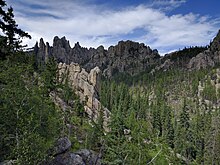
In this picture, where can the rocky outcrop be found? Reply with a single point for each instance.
(87, 87)
(215, 45)
(128, 56)
(62, 145)
(42, 52)
(168, 64)
(201, 61)
(125, 57)
(208, 58)
(63, 156)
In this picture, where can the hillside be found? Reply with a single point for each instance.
(125, 105)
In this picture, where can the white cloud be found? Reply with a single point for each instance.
(93, 25)
(167, 5)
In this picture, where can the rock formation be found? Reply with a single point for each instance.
(126, 57)
(61, 155)
(208, 58)
(194, 58)
(87, 87)
(201, 61)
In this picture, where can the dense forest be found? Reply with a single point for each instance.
(170, 117)
(165, 118)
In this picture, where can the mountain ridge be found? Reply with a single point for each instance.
(128, 56)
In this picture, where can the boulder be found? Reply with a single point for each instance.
(67, 159)
(89, 157)
(63, 156)
(62, 145)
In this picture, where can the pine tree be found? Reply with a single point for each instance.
(10, 29)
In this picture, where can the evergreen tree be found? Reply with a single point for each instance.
(10, 29)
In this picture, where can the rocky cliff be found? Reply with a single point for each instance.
(208, 58)
(86, 86)
(194, 58)
(127, 56)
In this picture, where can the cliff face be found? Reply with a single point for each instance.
(127, 56)
(208, 58)
(86, 86)
(194, 58)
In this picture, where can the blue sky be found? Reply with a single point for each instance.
(166, 25)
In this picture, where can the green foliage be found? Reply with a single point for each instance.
(161, 111)
(209, 92)
(186, 53)
(29, 120)
(9, 27)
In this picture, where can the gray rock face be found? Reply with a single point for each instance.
(89, 157)
(64, 157)
(127, 56)
(201, 61)
(215, 48)
(130, 57)
(168, 64)
(61, 49)
(43, 51)
(67, 159)
(62, 145)
(215, 45)
(208, 58)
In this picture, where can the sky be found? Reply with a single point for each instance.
(166, 25)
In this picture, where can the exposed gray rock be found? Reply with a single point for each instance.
(67, 159)
(201, 61)
(130, 57)
(61, 49)
(62, 145)
(94, 78)
(208, 58)
(215, 45)
(89, 157)
(168, 64)
(64, 157)
(127, 131)
(127, 56)
(42, 52)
